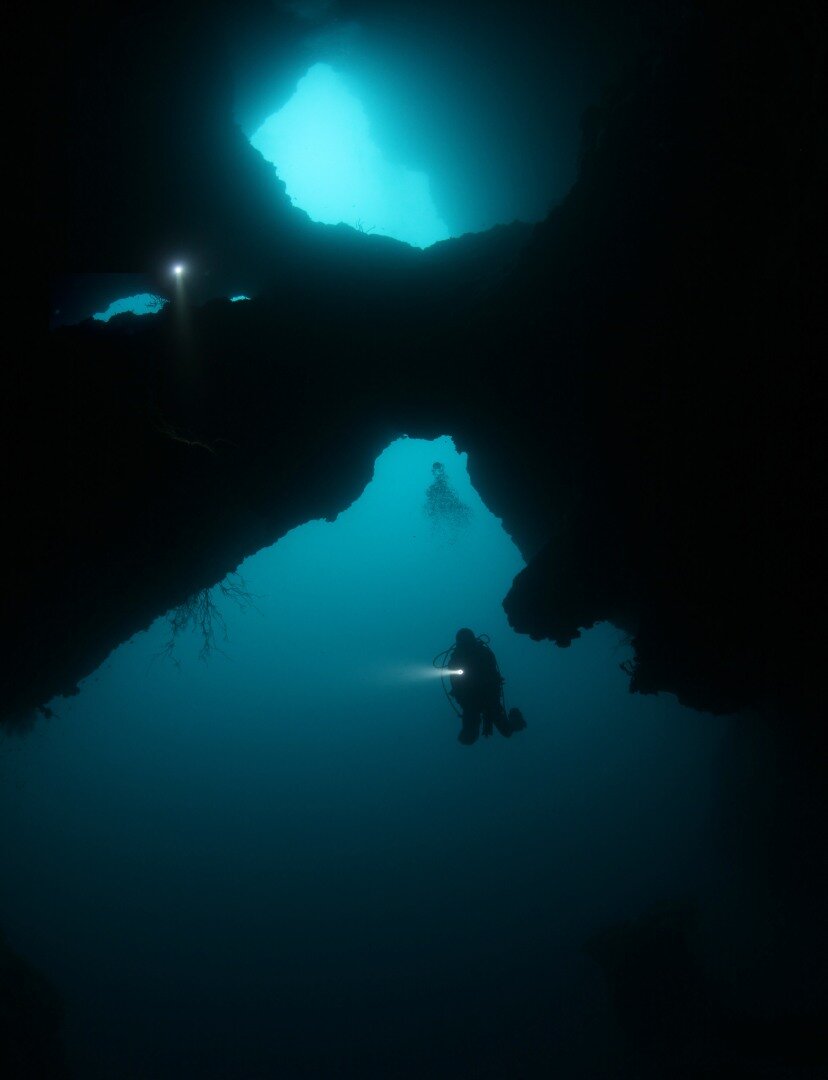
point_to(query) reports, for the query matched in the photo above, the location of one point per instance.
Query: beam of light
(140, 304)
(187, 364)
(412, 673)
(321, 145)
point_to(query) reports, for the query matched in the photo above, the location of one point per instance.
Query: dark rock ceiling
(638, 380)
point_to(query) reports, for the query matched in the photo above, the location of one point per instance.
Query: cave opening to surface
(427, 122)
(323, 148)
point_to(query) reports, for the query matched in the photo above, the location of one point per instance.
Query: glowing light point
(235, 299)
(178, 269)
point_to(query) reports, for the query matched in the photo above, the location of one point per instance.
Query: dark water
(281, 862)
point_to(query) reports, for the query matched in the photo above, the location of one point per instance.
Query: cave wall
(637, 380)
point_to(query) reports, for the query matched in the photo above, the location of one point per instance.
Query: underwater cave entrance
(288, 838)
(322, 147)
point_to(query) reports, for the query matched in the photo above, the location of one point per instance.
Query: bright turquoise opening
(140, 304)
(321, 145)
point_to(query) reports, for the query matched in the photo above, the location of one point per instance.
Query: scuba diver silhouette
(477, 687)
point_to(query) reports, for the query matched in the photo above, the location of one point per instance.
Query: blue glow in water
(218, 862)
(322, 147)
(140, 304)
(235, 299)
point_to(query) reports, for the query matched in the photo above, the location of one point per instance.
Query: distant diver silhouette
(477, 687)
(443, 504)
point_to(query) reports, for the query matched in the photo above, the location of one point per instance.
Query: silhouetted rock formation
(639, 391)
(667, 316)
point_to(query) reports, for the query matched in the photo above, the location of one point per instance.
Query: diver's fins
(516, 721)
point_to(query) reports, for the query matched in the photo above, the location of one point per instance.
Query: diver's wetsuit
(477, 690)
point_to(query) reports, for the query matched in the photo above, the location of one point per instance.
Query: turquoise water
(323, 148)
(279, 861)
(139, 304)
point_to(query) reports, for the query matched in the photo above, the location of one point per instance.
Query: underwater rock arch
(636, 383)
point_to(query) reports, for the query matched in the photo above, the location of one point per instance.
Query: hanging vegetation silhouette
(201, 614)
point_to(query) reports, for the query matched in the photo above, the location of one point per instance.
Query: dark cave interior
(637, 380)
(652, 448)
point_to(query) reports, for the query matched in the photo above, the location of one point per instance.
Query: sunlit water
(323, 149)
(139, 304)
(281, 862)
